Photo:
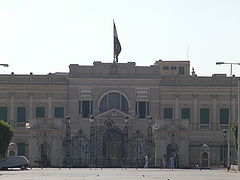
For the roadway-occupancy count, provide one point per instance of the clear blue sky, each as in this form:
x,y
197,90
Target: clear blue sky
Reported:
x,y
43,36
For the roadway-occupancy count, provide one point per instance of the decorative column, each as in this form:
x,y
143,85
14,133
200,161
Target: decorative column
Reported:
x,y
214,113
176,107
12,100
195,112
30,112
49,107
233,109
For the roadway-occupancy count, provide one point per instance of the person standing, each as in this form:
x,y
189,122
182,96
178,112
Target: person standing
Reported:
x,y
171,162
146,161
164,161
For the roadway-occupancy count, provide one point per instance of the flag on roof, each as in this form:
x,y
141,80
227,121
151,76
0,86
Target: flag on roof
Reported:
x,y
117,45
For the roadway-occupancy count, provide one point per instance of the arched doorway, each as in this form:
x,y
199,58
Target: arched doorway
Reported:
x,y
113,148
205,160
45,150
205,156
172,151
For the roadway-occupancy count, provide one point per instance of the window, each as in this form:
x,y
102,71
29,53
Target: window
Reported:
x,y
21,149
85,108
165,67
114,100
224,116
21,114
180,70
40,112
142,108
185,113
59,112
168,113
173,68
204,116
3,113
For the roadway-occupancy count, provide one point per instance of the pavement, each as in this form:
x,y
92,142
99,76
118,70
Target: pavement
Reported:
x,y
117,174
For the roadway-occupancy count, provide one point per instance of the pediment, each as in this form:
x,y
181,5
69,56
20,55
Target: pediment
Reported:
x,y
45,124
114,113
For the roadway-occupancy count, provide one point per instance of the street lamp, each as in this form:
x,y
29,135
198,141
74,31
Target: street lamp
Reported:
x,y
68,141
225,131
4,65
91,120
238,154
229,123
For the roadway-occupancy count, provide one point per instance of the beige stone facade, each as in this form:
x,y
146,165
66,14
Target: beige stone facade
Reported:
x,y
119,113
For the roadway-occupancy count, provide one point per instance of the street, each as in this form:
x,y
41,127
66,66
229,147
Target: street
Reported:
x,y
117,174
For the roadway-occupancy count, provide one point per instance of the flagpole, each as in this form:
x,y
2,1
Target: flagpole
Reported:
x,y
113,44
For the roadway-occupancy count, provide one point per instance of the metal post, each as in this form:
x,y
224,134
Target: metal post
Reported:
x,y
229,122
238,126
225,131
91,120
68,141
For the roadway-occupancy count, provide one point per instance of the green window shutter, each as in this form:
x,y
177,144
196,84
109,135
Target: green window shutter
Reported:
x,y
168,113
224,116
40,112
3,113
59,112
185,113
21,114
21,149
85,109
204,116
142,110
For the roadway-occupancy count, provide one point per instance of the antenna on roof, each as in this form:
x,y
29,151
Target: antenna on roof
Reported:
x,y
187,51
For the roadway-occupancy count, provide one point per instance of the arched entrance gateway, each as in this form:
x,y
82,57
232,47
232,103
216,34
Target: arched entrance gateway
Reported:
x,y
107,145
45,151
172,152
113,147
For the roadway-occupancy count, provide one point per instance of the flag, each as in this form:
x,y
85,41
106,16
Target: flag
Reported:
x,y
117,45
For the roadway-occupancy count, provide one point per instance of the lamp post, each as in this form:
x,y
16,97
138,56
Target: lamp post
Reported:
x,y
4,65
91,120
225,131
238,154
68,141
229,121
125,132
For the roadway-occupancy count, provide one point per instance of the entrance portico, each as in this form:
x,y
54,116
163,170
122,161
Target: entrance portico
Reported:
x,y
171,141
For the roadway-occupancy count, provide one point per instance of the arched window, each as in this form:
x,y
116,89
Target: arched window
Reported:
x,y
113,100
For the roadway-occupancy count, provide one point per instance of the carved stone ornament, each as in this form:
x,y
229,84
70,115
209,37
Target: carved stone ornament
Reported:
x,y
172,125
44,125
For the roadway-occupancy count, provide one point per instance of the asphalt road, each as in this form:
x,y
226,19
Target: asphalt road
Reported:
x,y
117,174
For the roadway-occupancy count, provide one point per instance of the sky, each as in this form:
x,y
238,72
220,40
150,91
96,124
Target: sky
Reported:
x,y
42,36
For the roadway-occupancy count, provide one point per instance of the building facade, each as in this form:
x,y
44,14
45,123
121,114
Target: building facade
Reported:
x,y
114,114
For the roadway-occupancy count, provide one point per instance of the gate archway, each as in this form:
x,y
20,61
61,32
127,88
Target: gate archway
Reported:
x,y
172,150
45,150
112,147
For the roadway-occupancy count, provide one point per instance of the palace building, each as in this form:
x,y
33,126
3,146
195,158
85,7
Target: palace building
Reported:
x,y
114,114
